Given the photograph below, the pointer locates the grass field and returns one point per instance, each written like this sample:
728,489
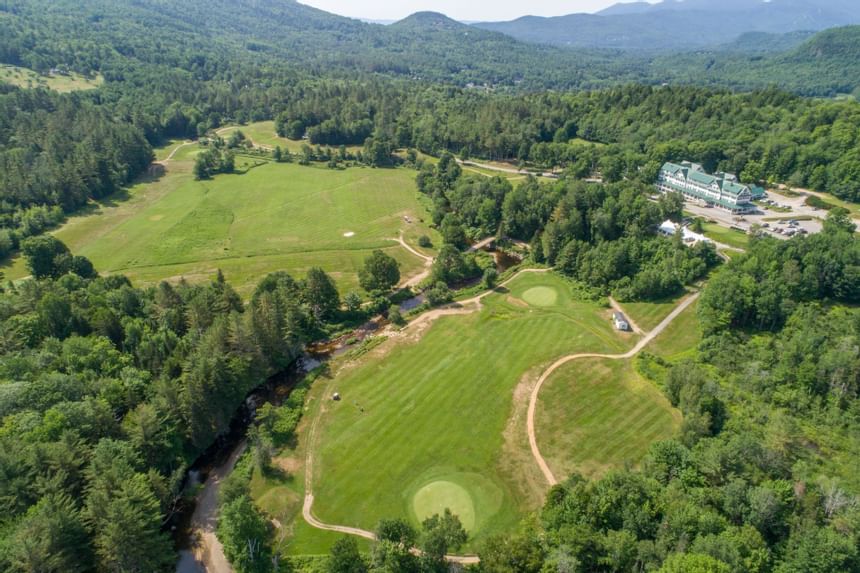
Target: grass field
274,217
680,338
263,133
422,424
596,414
647,315
730,237
26,78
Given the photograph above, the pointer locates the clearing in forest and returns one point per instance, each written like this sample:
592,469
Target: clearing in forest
61,82
424,419
273,217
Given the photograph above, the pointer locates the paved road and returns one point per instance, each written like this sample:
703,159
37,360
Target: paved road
530,419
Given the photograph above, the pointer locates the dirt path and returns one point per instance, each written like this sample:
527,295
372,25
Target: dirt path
175,150
206,548
530,419
481,244
428,262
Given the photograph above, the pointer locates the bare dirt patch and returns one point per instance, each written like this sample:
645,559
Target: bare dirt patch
291,465
517,458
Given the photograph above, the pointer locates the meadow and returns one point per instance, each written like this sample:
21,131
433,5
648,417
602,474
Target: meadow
263,133
273,217
27,78
424,422
596,414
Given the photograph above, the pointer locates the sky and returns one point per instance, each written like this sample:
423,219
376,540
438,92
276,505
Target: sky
483,10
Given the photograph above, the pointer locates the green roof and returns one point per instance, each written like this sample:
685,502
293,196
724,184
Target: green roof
734,188
702,178
693,174
757,191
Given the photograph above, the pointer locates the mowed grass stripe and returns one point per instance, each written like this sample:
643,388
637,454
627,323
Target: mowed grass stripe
594,414
438,407
274,217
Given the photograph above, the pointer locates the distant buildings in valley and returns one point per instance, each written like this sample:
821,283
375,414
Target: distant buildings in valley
720,189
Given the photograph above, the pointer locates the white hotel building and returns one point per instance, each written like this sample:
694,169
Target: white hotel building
720,190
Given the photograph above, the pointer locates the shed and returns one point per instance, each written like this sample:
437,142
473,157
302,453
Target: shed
620,321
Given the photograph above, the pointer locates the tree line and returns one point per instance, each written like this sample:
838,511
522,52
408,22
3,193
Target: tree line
110,392
603,235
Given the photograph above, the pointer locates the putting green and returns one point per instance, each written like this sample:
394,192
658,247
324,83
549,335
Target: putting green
437,496
541,296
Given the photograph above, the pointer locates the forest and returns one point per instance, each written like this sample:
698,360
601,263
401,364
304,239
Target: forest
113,391
601,235
109,391
622,133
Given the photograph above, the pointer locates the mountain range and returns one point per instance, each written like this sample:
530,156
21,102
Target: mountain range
673,25
198,35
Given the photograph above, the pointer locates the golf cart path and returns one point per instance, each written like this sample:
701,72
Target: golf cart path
307,507
428,262
530,418
186,143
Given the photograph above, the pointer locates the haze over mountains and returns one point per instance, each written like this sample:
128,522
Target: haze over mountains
679,24
41,34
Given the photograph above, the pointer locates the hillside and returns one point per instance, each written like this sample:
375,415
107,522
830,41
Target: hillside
197,35
826,64
207,40
684,25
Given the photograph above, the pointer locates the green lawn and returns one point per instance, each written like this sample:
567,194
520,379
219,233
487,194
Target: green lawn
263,133
647,315
681,337
730,237
274,217
27,78
422,424
597,414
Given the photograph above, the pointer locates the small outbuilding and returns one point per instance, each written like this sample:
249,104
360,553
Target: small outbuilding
620,321
335,397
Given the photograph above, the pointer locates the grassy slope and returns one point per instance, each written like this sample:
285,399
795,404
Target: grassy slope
437,409
595,414
648,315
26,78
680,338
276,216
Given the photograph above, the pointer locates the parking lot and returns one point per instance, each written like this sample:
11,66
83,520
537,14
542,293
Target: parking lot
780,216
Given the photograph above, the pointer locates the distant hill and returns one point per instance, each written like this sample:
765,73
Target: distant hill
679,25
429,46
197,37
625,8
826,64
